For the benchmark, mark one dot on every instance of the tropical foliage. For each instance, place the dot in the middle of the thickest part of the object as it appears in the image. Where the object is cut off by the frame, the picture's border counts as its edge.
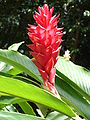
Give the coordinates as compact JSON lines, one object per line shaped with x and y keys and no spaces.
{"x":48,"y":86}
{"x":20,"y":85}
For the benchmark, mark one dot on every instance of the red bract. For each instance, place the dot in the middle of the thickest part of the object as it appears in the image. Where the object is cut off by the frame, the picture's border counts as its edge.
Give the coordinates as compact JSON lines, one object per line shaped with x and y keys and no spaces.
{"x":46,"y":38}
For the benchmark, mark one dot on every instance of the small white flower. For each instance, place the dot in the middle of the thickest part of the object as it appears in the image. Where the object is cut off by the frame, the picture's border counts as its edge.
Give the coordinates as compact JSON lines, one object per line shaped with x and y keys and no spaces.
{"x":67,"y":55}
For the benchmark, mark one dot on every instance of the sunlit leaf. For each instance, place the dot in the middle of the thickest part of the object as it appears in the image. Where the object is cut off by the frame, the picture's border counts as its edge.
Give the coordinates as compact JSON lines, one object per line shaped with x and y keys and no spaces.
{"x":75,"y":75}
{"x":30,"y":92}
{"x":21,"y":62}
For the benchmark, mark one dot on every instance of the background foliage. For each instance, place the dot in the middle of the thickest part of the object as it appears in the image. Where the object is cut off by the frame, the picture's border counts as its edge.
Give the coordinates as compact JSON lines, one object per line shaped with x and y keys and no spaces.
{"x":74,"y":18}
{"x":20,"y":86}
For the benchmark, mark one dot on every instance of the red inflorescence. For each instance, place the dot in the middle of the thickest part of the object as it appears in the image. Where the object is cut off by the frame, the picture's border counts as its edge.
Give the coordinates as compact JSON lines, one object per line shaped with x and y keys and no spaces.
{"x":46,"y":38}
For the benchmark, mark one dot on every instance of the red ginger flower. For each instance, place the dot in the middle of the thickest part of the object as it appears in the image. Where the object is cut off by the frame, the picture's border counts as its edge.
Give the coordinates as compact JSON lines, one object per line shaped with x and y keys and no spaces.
{"x":46,"y":38}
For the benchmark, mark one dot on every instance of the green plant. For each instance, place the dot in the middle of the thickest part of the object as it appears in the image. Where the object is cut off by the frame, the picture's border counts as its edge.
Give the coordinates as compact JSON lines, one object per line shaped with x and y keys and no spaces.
{"x":21,"y":83}
{"x":72,"y":83}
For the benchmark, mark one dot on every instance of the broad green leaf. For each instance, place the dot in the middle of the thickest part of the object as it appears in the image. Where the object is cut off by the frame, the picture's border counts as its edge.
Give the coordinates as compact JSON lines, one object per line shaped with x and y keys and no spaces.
{"x":21,"y":62}
{"x":30,"y":92}
{"x":21,"y":78}
{"x":75,"y":75}
{"x":17,"y":116}
{"x":15,"y":46}
{"x":79,"y":103}
{"x":27,"y":108}
{"x":5,"y":67}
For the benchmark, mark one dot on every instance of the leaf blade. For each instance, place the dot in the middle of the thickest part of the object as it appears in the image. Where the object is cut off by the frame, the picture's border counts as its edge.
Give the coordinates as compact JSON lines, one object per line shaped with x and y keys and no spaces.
{"x":66,"y":90}
{"x":17,"y":116}
{"x":69,"y":72}
{"x":21,"y":62}
{"x":33,"y":93}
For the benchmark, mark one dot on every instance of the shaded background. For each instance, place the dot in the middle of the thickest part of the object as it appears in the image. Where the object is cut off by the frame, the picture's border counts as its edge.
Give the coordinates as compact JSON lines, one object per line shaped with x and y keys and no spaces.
{"x":74,"y":18}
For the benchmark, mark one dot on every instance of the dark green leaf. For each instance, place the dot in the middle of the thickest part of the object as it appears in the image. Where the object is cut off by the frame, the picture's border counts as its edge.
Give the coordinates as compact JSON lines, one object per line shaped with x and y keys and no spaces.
{"x":26,"y":108}
{"x":79,"y":103}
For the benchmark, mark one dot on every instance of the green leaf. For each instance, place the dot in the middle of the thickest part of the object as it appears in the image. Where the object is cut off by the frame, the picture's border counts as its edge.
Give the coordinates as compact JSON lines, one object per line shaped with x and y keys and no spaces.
{"x":5,"y":67}
{"x":56,"y":116}
{"x":79,"y":103}
{"x":5,"y":74}
{"x":10,"y":100}
{"x":43,"y":110}
{"x":75,"y":75}
{"x":27,"y":80}
{"x":10,"y":108}
{"x":21,"y":78}
{"x":17,"y":116}
{"x":15,"y":46}
{"x":14,"y":71}
{"x":21,"y":62}
{"x":2,"y":94}
{"x":26,"y":108}
{"x":7,"y":100}
{"x":30,"y":92}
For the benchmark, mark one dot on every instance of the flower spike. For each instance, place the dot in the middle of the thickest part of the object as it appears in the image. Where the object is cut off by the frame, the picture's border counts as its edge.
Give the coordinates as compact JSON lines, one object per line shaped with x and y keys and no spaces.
{"x":46,"y":38}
